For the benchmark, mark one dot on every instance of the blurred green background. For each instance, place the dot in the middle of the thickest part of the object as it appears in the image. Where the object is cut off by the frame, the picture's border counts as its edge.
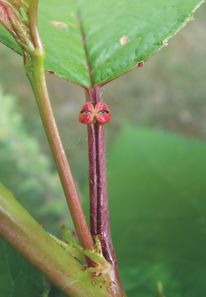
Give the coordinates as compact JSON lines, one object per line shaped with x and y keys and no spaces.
{"x":156,"y":161}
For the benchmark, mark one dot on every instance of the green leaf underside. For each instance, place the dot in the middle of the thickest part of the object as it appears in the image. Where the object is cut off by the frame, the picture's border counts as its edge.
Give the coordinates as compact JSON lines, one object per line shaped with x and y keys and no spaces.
{"x":83,"y":38}
{"x":157,"y":189}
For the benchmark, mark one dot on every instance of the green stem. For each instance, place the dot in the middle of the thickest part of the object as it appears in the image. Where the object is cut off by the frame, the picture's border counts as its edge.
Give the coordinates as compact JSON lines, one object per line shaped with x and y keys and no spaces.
{"x":33,"y":26}
{"x":36,"y":74}
{"x":28,"y":237}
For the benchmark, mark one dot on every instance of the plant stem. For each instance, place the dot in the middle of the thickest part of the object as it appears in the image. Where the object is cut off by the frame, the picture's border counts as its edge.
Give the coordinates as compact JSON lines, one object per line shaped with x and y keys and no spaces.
{"x":99,"y":210}
{"x":93,"y":178}
{"x":103,"y":208}
{"x":33,"y":26}
{"x":34,"y":66}
{"x":36,"y":74}
{"x":34,"y":243}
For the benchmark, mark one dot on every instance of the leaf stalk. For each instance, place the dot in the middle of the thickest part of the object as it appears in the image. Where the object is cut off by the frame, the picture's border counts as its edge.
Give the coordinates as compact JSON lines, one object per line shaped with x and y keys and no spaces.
{"x":99,"y":209}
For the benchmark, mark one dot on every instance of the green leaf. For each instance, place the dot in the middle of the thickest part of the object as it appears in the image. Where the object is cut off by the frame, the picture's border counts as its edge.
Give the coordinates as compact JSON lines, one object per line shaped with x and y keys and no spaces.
{"x":92,"y":42}
{"x":17,"y":276}
{"x":158,"y":212}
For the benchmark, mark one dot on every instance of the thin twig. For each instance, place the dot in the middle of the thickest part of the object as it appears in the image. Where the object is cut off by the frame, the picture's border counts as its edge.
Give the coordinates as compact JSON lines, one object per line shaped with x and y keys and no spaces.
{"x":38,"y":82}
{"x":92,"y":179}
{"x":33,"y":13}
{"x":99,"y":210}
{"x":35,"y":71}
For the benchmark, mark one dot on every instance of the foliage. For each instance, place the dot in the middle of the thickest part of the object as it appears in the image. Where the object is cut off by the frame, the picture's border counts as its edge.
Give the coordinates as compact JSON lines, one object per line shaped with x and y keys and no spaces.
{"x":157,"y":189}
{"x":18,"y":277}
{"x":101,"y":44}
{"x":95,"y":56}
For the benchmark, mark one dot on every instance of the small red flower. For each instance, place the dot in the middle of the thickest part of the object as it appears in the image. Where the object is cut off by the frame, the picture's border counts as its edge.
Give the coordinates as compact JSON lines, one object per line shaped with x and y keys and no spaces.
{"x":99,"y":113}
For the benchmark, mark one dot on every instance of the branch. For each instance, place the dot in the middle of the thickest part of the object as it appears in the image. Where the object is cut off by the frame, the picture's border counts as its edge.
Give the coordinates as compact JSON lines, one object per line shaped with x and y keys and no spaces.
{"x":33,"y":13}
{"x":99,"y":210}
{"x":34,"y":66}
{"x":33,"y":242}
{"x":35,"y":72}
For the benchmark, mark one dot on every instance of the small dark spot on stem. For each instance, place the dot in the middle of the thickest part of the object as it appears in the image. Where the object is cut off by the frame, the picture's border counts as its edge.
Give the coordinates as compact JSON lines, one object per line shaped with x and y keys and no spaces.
{"x":140,"y":64}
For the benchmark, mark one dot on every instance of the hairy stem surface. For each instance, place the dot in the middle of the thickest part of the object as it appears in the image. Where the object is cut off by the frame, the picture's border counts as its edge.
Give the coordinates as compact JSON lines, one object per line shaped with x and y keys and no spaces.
{"x":93,"y":179}
{"x":99,"y":210}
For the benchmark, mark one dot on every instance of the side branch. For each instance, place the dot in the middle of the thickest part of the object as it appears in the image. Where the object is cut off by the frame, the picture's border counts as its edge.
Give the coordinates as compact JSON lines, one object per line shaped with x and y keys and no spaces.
{"x":36,"y":75}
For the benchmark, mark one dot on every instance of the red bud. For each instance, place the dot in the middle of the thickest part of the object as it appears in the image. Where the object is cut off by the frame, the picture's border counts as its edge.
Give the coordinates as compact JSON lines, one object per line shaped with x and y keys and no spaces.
{"x":140,"y":64}
{"x":6,"y":15}
{"x":11,"y":20}
{"x":102,"y":113}
{"x":86,"y":115}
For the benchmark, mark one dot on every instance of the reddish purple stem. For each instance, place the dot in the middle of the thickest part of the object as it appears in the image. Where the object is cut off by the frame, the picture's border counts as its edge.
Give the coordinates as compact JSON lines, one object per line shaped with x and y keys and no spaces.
{"x":92,"y":179}
{"x":103,"y":224}
{"x":99,"y":210}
